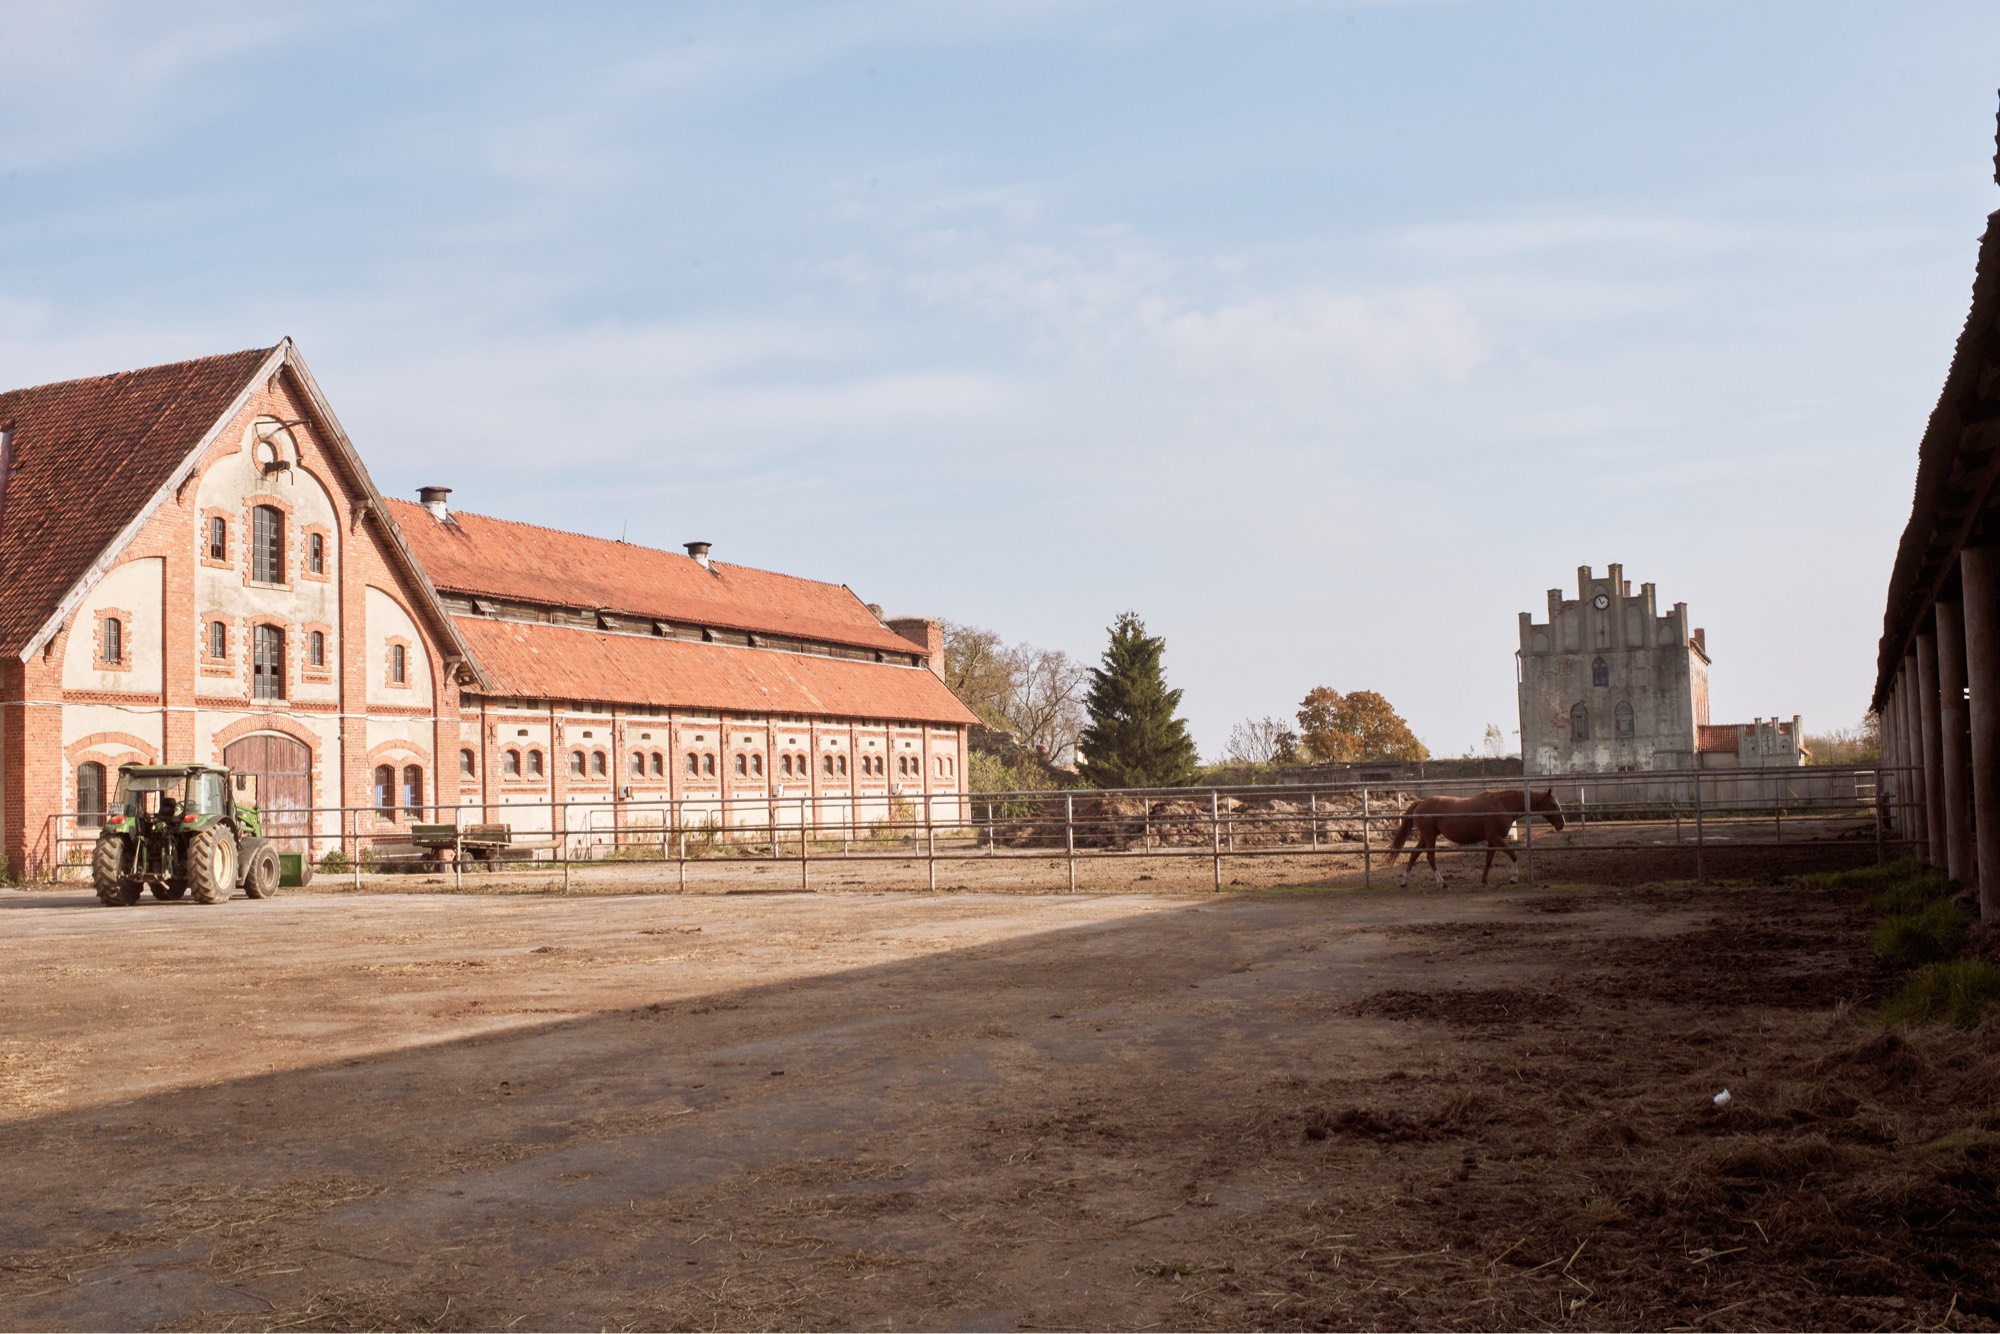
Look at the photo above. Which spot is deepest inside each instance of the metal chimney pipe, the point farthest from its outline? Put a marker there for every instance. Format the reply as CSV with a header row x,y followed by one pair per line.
x,y
699,551
433,499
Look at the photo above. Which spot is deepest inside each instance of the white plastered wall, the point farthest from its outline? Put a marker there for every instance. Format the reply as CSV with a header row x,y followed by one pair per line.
x,y
136,589
389,619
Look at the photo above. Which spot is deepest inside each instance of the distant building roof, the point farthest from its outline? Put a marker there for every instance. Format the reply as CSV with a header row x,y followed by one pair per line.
x,y
475,555
1717,738
87,456
537,661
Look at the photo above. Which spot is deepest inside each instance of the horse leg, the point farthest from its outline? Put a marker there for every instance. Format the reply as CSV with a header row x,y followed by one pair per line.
x,y
1489,864
1431,851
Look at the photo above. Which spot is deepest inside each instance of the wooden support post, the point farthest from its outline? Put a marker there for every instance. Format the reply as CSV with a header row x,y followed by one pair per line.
x,y
1069,835
1700,870
1954,731
1215,835
1367,844
1979,575
1927,711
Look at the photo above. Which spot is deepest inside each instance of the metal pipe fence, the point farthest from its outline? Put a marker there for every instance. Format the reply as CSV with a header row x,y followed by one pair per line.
x,y
1349,826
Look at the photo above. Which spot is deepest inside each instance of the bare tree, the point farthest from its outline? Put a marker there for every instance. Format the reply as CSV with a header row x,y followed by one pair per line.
x,y
1262,741
1046,707
1034,693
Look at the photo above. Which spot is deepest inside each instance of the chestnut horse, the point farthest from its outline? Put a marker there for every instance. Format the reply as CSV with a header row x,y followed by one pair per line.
x,y
1487,818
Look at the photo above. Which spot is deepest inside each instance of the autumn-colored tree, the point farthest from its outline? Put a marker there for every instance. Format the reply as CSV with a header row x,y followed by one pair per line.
x,y
1360,725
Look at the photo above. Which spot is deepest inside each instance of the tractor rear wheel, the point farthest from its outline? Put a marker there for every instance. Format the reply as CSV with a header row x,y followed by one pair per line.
x,y
211,862
107,871
260,877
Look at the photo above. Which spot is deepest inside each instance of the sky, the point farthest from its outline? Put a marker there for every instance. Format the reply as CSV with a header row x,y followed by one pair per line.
x,y
1326,337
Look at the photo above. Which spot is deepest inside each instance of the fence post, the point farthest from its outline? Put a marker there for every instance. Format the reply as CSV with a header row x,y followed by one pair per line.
x,y
681,840
1069,835
458,857
1215,834
562,848
1312,816
805,845
357,851
1700,873
1367,845
1879,858
1528,815
930,844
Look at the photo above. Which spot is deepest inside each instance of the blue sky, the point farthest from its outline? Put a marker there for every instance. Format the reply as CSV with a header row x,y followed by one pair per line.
x,y
1326,336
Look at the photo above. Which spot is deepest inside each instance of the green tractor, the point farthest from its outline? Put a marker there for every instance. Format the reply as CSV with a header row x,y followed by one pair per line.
x,y
178,830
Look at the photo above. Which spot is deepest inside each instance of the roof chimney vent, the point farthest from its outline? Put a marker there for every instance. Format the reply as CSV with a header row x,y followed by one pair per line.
x,y
433,498
699,551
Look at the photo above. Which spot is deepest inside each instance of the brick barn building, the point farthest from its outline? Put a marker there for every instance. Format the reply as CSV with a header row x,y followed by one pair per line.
x,y
195,565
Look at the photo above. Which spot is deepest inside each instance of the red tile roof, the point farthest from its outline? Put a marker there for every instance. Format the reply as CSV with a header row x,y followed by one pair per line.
x,y
474,555
535,661
87,456
1716,738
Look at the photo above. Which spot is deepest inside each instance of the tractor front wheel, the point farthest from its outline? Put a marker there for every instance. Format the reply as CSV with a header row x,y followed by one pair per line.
x,y
261,874
211,860
107,872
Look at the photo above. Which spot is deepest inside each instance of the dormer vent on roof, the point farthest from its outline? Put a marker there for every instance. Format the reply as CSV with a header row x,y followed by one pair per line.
x,y
433,498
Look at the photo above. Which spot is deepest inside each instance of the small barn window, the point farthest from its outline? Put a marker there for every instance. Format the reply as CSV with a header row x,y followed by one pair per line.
x,y
399,664
218,538
576,763
468,763
218,640
1622,719
757,766
534,764
267,545
598,767
659,765
826,765
742,766
89,795
114,640
316,553
638,765
840,762
413,789
316,648
385,789
1600,672
1579,723
708,764
510,763
693,765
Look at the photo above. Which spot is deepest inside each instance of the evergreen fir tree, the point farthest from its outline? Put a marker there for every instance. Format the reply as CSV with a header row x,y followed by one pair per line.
x,y
1134,739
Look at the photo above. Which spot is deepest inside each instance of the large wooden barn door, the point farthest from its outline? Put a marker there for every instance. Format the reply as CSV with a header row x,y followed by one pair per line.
x,y
284,785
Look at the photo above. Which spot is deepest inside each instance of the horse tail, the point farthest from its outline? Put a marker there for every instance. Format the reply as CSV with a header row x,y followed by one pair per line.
x,y
1402,832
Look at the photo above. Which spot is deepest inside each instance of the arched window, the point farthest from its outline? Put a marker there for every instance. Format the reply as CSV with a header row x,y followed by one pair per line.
x,y
576,763
708,764
826,765
413,789
267,545
659,765
89,795
598,767
1579,723
218,538
638,765
534,764
1600,672
218,640
399,665
468,763
742,766
1622,719
114,640
316,648
385,789
316,553
840,761
693,765
757,766
510,763
267,663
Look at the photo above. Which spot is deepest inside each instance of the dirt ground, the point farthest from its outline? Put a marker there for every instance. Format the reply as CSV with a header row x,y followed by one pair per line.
x,y
746,1108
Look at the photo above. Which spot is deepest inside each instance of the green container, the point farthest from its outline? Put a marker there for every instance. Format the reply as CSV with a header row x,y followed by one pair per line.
x,y
294,870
